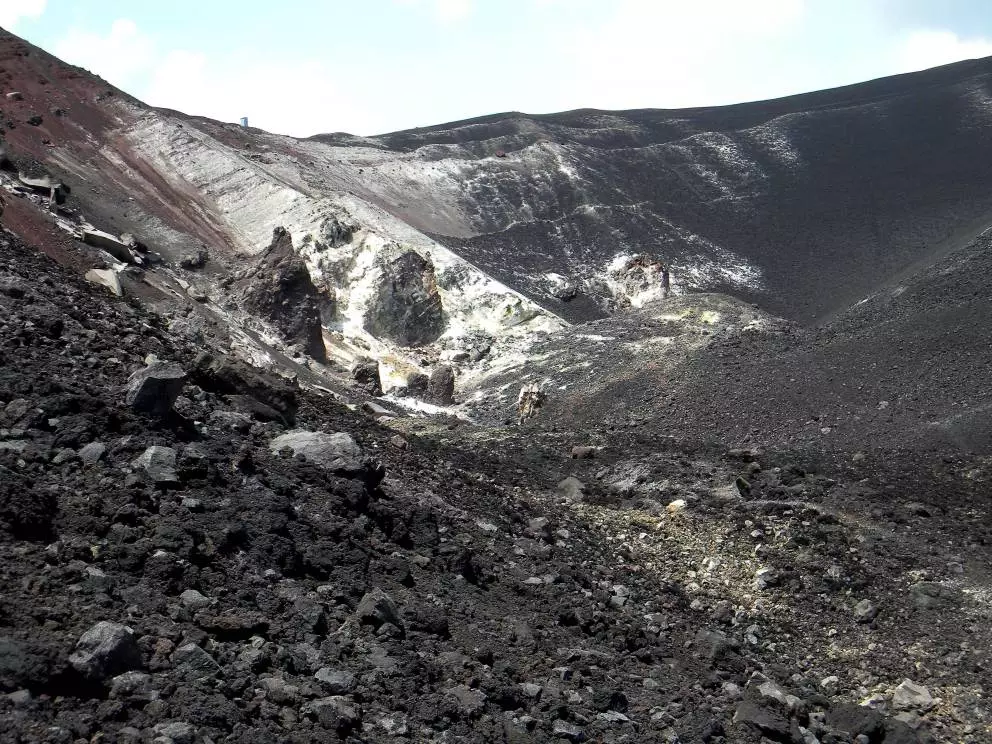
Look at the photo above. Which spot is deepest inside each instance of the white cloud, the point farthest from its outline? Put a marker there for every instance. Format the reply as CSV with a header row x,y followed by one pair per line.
x,y
673,53
927,48
284,95
296,97
446,12
120,56
13,11
452,11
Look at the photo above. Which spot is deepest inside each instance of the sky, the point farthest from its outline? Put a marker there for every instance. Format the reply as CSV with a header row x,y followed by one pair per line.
x,y
301,67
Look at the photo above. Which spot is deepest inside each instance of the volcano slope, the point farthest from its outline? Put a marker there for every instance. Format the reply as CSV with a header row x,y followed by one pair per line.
x,y
463,584
742,549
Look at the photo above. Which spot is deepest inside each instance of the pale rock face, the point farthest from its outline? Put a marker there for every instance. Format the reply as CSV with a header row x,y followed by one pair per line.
x,y
354,250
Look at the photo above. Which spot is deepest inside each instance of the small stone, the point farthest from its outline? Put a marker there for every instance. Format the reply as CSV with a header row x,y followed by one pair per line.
x,y
765,578
193,663
334,713
366,373
133,686
930,595
92,453
279,691
470,702
394,724
176,732
911,696
376,608
335,681
159,463
531,690
63,456
19,698
865,611
194,600
764,718
105,278
582,452
770,690
830,684
399,442
155,388
565,730
571,489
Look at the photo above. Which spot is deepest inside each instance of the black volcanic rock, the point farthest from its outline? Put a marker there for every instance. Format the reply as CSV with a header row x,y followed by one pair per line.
x,y
441,386
408,306
279,288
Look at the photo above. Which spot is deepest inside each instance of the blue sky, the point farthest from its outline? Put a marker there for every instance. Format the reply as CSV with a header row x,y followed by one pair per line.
x,y
371,66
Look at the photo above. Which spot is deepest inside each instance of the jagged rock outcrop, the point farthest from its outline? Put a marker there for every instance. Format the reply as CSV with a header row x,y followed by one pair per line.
x,y
407,308
279,288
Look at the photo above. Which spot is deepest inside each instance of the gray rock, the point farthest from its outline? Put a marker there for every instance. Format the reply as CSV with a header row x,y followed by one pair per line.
x,y
92,453
337,452
336,681
405,306
194,259
193,663
159,463
176,732
105,278
133,686
762,717
911,696
394,724
865,611
376,608
279,691
366,373
470,702
106,650
64,456
531,690
19,698
930,595
155,388
18,446
571,489
765,578
334,713
230,420
772,692
192,463
565,730
441,386
194,600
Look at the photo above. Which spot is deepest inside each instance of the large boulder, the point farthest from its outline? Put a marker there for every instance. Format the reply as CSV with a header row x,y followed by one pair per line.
x,y
336,452
105,278
365,372
406,307
106,650
155,388
237,381
441,386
